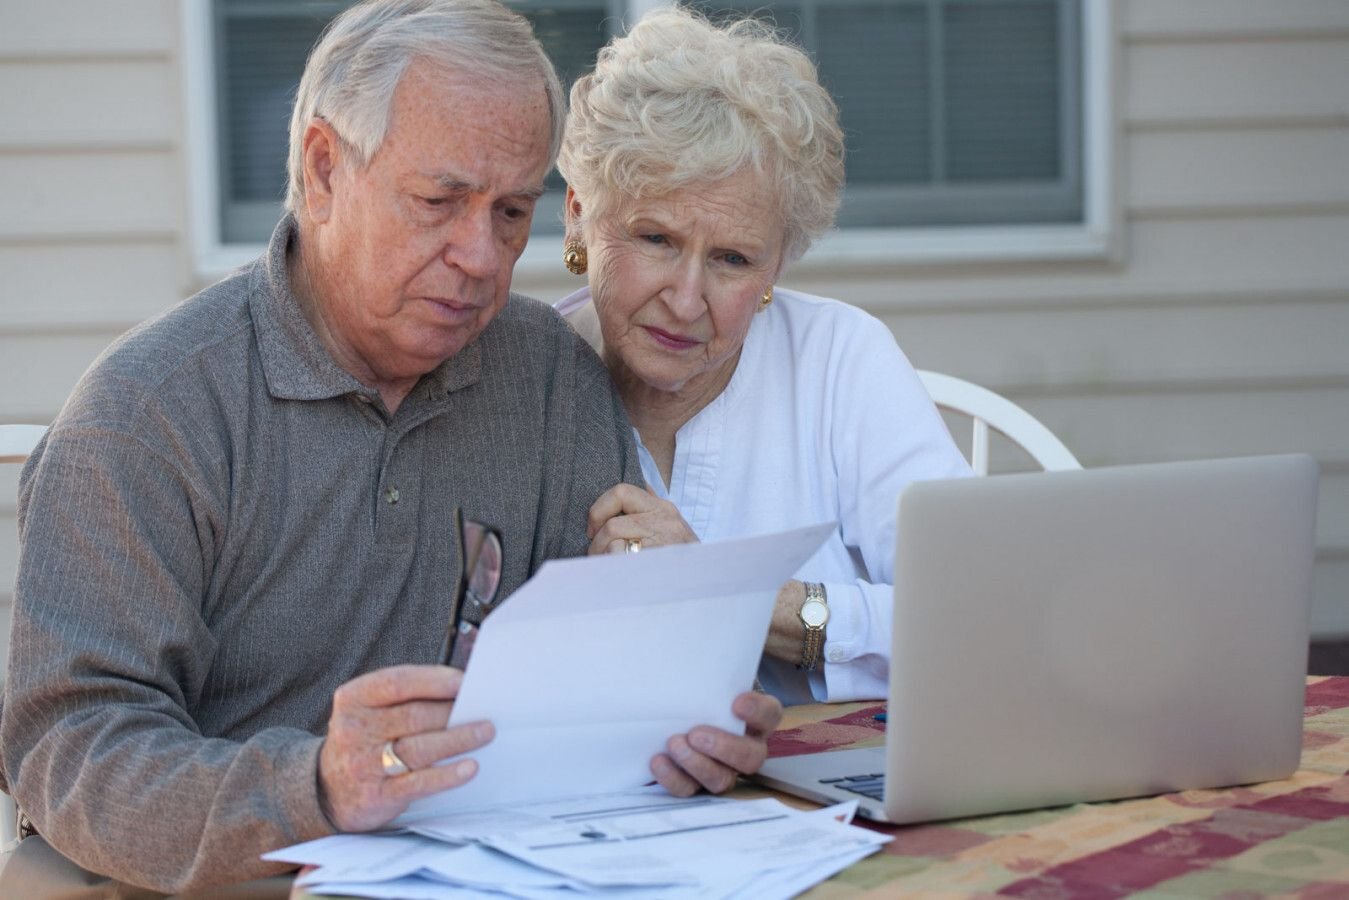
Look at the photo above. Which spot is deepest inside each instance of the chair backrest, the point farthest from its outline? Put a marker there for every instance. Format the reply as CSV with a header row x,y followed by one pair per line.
x,y
17,441
989,410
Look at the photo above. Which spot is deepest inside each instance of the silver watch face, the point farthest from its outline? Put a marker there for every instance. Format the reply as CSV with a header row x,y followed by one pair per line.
x,y
814,613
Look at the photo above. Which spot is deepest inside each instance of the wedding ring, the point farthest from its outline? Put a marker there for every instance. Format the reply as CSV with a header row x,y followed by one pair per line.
x,y
632,545
392,762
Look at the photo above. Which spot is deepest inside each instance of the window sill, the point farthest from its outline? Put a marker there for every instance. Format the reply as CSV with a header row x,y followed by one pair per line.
x,y
870,248
908,247
900,248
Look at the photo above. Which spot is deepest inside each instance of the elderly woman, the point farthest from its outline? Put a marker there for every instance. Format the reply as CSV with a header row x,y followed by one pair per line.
x,y
700,161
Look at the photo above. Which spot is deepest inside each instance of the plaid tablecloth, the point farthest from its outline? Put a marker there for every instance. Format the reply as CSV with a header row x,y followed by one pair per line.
x,y
1279,839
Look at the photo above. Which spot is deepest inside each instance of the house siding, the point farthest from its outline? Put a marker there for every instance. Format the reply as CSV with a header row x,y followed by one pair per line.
x,y
91,220
1220,328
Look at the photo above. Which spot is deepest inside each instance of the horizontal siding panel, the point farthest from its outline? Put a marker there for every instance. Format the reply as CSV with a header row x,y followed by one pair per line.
x,y
1189,84
1333,512
1074,347
1330,605
9,489
1004,456
1223,169
1166,260
51,195
1330,602
9,554
71,287
88,27
1114,428
1255,18
1132,345
9,557
61,360
73,104
5,601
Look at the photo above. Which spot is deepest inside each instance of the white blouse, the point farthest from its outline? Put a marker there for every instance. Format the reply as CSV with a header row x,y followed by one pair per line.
x,y
823,419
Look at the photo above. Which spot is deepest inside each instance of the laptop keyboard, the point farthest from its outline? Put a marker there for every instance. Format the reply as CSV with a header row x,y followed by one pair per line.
x,y
872,786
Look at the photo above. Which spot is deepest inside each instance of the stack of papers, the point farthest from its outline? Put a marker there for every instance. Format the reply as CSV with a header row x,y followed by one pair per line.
x,y
652,644
639,844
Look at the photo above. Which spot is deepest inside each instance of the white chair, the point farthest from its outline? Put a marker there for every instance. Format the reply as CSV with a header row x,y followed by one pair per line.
x,y
989,410
16,442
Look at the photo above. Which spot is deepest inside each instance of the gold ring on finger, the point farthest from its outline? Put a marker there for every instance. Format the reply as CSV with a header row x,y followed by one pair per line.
x,y
393,763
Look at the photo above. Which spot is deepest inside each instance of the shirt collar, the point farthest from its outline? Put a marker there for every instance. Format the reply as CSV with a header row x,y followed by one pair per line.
x,y
294,360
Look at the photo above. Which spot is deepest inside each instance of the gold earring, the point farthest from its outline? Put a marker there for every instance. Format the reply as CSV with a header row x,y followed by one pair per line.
x,y
574,257
766,299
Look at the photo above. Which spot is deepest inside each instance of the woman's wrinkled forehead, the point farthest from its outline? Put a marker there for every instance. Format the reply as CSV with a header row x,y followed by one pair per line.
x,y
746,192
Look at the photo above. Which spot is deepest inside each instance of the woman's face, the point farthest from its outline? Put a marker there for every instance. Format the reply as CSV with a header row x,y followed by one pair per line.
x,y
676,280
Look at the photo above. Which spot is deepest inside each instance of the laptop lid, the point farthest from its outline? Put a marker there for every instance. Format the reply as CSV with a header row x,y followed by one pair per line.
x,y
1088,635
1103,633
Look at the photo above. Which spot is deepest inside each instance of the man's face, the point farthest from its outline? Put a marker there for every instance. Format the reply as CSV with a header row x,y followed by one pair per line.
x,y
413,254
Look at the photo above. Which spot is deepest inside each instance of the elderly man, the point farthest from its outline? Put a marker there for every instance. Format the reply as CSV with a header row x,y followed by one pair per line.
x,y
238,555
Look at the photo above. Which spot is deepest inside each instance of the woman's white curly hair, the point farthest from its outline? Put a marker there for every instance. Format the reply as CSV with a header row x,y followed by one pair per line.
x,y
680,102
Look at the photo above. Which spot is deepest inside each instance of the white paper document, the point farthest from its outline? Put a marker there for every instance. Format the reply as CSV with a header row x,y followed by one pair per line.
x,y
595,662
629,845
587,671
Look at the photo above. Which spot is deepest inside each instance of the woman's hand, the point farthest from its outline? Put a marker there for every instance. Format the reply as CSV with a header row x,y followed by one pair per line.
x,y
628,513
710,759
786,631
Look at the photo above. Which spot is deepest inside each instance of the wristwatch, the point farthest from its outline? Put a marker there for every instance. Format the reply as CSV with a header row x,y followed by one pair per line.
x,y
814,615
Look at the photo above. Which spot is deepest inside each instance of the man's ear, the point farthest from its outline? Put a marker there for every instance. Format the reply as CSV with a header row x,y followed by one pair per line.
x,y
320,157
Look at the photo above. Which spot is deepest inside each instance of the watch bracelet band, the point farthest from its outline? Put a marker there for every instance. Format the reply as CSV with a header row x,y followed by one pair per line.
x,y
813,642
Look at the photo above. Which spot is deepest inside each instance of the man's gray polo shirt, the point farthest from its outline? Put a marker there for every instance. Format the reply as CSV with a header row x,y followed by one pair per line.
x,y
223,526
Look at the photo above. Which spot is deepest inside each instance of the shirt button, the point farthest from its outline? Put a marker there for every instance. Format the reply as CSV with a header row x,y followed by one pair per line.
x,y
836,655
391,495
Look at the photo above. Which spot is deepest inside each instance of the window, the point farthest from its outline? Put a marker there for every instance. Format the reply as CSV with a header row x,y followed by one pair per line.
x,y
260,47
969,113
956,112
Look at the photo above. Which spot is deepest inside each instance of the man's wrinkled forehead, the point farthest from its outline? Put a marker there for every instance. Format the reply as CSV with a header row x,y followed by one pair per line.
x,y
517,108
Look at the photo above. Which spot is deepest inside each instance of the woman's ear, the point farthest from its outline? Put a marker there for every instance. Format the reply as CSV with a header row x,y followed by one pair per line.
x,y
572,212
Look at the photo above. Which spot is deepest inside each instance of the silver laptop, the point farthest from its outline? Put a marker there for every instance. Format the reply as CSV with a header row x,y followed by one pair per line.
x,y
1088,635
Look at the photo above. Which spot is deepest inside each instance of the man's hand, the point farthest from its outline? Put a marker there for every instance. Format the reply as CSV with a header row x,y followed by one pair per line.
x,y
709,758
410,706
629,513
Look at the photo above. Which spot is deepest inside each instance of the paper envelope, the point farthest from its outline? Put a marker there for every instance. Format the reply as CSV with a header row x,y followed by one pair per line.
x,y
595,662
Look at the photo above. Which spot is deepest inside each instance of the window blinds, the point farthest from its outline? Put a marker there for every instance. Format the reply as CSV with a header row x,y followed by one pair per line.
x,y
956,111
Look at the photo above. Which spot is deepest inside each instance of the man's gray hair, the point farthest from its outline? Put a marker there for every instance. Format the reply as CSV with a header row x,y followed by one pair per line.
x,y
354,69
681,102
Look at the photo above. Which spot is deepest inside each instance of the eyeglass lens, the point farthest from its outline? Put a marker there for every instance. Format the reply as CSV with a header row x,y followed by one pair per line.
x,y
482,555
477,592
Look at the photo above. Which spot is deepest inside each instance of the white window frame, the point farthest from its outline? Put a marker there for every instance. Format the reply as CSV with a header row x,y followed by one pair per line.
x,y
212,258
1097,237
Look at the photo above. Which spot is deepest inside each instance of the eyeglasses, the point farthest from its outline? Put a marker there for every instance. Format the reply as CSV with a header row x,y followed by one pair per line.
x,y
476,595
